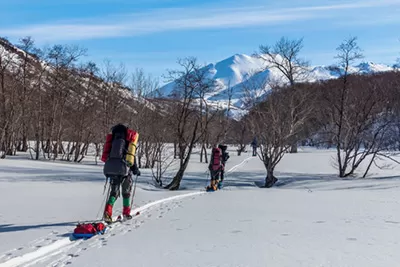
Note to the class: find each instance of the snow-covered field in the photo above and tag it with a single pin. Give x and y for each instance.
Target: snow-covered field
(310, 218)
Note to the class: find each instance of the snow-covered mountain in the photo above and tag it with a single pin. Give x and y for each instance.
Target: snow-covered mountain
(243, 73)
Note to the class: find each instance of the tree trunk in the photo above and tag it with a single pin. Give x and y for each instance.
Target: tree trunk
(174, 185)
(37, 152)
(203, 152)
(270, 180)
(293, 148)
(175, 150)
(369, 165)
(24, 143)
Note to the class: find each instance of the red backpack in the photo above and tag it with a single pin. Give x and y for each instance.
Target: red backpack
(216, 159)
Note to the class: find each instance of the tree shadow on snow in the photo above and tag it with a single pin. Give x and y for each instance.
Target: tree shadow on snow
(49, 175)
(332, 182)
(4, 228)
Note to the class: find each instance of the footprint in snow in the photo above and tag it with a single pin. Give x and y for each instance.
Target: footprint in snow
(352, 239)
(392, 222)
(320, 222)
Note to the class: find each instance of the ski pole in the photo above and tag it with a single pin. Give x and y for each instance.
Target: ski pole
(105, 185)
(105, 200)
(134, 190)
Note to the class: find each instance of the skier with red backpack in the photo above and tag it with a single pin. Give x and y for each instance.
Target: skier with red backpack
(219, 156)
(119, 165)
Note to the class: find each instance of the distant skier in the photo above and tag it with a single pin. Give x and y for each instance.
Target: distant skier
(214, 167)
(254, 145)
(219, 156)
(120, 164)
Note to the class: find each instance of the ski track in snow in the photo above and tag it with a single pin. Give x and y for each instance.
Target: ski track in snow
(64, 245)
(44, 250)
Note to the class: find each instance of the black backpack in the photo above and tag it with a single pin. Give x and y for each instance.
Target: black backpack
(225, 154)
(116, 162)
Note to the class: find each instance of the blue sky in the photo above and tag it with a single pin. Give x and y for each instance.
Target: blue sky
(152, 34)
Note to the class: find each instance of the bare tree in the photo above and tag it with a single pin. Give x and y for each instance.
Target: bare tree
(360, 112)
(239, 133)
(26, 73)
(61, 59)
(285, 56)
(254, 87)
(188, 83)
(8, 99)
(348, 53)
(279, 120)
(204, 113)
(81, 118)
(143, 85)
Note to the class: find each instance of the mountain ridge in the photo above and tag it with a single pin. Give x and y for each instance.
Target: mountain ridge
(240, 71)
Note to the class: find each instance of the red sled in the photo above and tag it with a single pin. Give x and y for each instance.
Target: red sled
(88, 230)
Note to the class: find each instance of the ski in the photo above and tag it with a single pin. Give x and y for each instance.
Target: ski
(121, 219)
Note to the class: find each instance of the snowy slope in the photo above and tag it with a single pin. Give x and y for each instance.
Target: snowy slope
(311, 218)
(240, 72)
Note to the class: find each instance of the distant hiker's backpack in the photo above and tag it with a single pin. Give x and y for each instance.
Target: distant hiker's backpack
(225, 154)
(216, 155)
(119, 151)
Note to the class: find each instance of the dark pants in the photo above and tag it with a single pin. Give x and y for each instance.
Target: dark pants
(124, 182)
(215, 175)
(254, 151)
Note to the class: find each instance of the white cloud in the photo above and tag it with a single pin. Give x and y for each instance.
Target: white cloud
(183, 19)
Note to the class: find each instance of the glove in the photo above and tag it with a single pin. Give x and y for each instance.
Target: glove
(136, 172)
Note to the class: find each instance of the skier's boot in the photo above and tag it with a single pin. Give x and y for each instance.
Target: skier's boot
(212, 186)
(219, 185)
(126, 212)
(107, 217)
